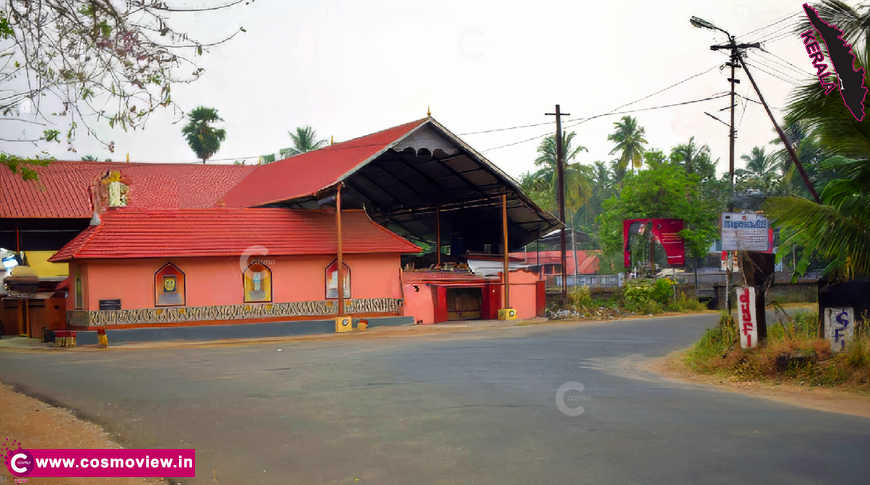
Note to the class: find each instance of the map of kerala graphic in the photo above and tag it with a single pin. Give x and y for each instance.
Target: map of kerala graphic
(852, 87)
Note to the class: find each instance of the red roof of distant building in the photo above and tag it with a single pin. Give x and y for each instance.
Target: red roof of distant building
(130, 233)
(587, 260)
(309, 173)
(62, 188)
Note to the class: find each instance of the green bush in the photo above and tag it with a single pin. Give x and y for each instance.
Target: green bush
(647, 296)
(685, 304)
(580, 297)
(713, 345)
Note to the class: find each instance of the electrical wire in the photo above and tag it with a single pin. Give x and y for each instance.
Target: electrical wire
(620, 107)
(580, 121)
(774, 75)
(791, 77)
(783, 19)
(772, 33)
(784, 64)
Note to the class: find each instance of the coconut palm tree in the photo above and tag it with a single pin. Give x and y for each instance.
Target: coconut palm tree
(758, 164)
(204, 139)
(694, 158)
(578, 186)
(630, 142)
(304, 140)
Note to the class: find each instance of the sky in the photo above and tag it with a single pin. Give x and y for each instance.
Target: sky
(350, 68)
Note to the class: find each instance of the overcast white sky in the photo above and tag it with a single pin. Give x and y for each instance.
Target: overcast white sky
(350, 68)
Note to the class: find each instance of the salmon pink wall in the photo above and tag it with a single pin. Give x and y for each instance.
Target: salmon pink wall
(419, 304)
(218, 281)
(523, 293)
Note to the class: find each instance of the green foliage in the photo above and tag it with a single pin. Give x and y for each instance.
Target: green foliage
(715, 343)
(99, 60)
(304, 140)
(204, 139)
(685, 304)
(51, 135)
(580, 297)
(5, 29)
(630, 141)
(666, 192)
(694, 159)
(647, 296)
(542, 185)
(24, 166)
(761, 172)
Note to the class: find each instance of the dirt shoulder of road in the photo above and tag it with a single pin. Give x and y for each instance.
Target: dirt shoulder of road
(851, 402)
(37, 425)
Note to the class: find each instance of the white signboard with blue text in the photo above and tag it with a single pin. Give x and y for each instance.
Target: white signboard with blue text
(744, 232)
(839, 327)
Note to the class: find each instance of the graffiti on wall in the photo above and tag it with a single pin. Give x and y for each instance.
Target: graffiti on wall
(231, 312)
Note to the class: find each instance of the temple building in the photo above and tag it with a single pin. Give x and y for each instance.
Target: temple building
(381, 227)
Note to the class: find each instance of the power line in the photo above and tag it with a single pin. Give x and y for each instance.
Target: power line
(756, 37)
(580, 121)
(779, 38)
(792, 77)
(669, 87)
(505, 129)
(784, 64)
(620, 107)
(787, 17)
(774, 75)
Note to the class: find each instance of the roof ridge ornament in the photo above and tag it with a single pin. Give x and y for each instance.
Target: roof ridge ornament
(428, 111)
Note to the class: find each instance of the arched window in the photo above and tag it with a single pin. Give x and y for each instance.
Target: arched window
(258, 283)
(169, 287)
(332, 280)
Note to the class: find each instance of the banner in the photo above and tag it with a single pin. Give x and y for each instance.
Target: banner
(746, 232)
(665, 233)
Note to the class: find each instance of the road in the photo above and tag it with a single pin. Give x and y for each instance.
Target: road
(455, 408)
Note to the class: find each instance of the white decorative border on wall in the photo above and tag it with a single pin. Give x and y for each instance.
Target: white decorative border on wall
(231, 312)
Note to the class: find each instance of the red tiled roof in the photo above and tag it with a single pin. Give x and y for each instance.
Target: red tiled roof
(130, 233)
(62, 188)
(311, 172)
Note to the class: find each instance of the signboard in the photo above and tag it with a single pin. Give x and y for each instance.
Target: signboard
(839, 327)
(747, 325)
(665, 233)
(746, 232)
(110, 304)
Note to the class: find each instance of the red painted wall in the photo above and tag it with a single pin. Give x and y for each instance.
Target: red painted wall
(429, 305)
(218, 281)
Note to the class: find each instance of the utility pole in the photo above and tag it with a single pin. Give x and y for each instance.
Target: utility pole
(736, 54)
(560, 180)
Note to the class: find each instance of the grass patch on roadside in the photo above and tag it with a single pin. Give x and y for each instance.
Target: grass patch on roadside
(793, 353)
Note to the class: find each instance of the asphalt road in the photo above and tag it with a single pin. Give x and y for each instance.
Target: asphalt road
(469, 407)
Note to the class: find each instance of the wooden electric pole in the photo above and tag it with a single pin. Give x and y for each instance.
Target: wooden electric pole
(560, 180)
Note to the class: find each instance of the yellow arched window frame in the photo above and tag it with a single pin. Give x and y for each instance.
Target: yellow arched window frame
(258, 283)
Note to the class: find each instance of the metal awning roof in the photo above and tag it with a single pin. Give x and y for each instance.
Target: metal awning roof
(431, 170)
